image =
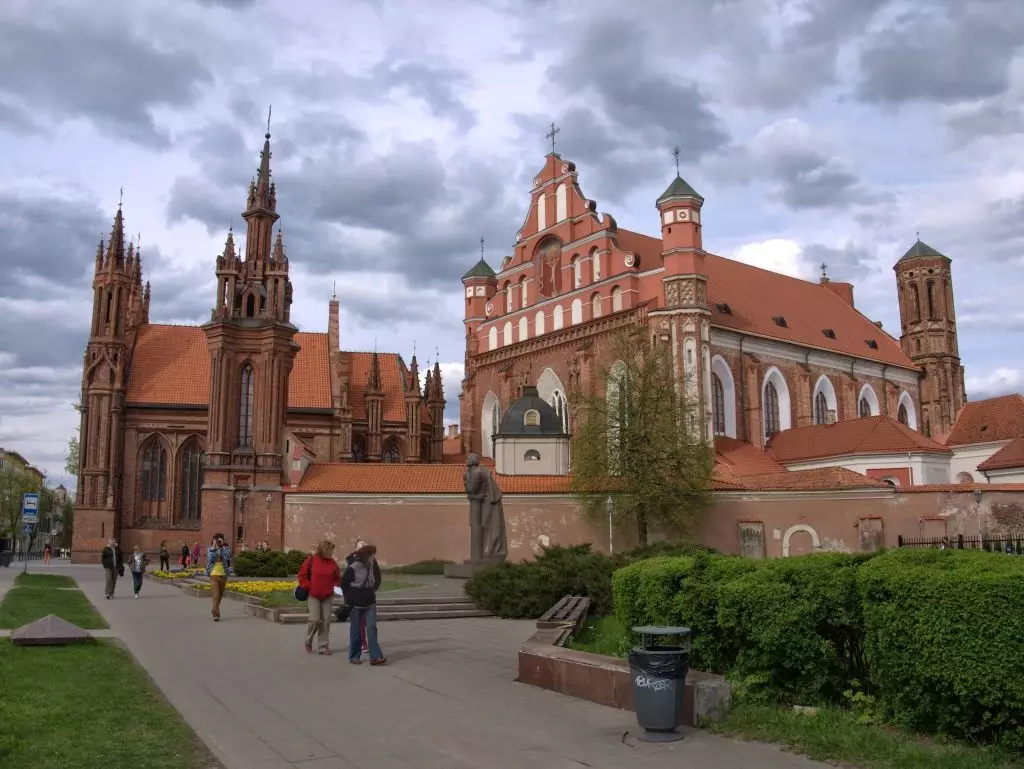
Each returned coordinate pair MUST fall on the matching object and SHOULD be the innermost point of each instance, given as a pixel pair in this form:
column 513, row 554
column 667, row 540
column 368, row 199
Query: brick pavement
column 448, row 698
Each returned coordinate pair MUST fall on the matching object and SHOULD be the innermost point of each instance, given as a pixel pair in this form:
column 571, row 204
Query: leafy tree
column 13, row 484
column 67, row 517
column 71, row 461
column 636, row 439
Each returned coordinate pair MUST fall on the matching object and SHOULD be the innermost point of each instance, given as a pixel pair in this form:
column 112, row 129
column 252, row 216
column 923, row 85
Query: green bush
column 943, row 641
column 253, row 563
column 529, row 588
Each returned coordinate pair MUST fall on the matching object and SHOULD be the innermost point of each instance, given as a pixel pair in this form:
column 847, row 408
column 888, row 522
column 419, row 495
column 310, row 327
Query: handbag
column 343, row 612
column 301, row 594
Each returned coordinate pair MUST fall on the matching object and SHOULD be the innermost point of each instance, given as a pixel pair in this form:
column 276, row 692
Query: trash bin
column 659, row 671
column 5, row 558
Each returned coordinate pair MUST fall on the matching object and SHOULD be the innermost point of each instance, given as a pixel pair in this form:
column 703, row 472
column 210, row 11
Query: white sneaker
column 136, row 595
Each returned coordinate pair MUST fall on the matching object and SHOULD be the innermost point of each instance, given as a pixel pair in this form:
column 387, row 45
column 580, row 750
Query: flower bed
column 171, row 576
column 254, row 587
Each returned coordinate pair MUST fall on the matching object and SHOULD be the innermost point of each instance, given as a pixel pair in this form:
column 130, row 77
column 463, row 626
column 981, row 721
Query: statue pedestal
column 467, row 569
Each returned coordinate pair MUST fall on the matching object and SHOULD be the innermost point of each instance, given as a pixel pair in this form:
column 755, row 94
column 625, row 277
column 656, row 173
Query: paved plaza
column 448, row 698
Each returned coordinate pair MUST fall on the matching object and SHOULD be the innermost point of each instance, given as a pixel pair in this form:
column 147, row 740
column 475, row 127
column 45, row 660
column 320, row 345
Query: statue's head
column 472, row 460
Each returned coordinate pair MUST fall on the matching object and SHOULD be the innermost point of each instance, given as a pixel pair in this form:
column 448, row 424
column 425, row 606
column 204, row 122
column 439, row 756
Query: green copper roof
column 679, row 189
column 921, row 249
column 480, row 270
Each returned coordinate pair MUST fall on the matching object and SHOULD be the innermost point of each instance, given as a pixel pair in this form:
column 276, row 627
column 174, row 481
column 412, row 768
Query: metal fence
column 1011, row 545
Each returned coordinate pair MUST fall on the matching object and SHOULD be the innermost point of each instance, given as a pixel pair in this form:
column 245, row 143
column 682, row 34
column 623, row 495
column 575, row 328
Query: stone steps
column 409, row 608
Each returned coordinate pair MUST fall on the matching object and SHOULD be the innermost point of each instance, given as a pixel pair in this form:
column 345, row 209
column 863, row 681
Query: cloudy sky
column 404, row 131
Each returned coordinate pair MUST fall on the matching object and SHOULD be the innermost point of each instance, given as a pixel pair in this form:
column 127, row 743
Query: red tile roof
column 993, row 419
column 735, row 457
column 755, row 296
column 961, row 488
column 866, row 435
column 1008, row 457
column 446, row 478
column 171, row 367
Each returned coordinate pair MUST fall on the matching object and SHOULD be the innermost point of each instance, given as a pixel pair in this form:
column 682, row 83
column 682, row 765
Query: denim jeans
column 355, row 641
column 136, row 581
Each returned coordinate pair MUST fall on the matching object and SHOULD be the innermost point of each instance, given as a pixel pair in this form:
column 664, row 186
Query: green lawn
column 839, row 735
column 22, row 605
column 286, row 598
column 44, row 580
column 88, row 707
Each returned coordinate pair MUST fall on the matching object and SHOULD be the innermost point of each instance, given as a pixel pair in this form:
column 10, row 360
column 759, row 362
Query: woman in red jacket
column 319, row 575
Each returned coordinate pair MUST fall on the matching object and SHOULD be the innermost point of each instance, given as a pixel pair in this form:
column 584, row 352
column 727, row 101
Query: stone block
column 51, row 630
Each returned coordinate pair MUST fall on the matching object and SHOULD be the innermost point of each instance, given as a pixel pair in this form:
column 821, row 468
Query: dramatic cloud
column 819, row 131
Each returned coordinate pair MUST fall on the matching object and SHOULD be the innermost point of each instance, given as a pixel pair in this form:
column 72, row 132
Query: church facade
column 189, row 430
column 757, row 352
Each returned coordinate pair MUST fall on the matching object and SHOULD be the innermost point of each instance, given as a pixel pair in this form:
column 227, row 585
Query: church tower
column 120, row 306
column 252, row 349
column 928, row 335
column 435, row 404
column 480, row 285
column 684, row 323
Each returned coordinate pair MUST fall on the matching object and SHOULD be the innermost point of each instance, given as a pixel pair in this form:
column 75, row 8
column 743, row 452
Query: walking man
column 218, row 566
column 113, row 567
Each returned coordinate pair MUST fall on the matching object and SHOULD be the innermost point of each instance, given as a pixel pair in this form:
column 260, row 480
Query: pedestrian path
column 447, row 699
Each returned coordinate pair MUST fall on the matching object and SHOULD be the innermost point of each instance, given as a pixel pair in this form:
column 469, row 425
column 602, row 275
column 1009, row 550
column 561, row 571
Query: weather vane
column 675, row 154
column 481, row 247
column 551, row 135
column 824, row 271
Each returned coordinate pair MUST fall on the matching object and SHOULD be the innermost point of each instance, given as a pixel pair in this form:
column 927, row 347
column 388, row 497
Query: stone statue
column 486, row 515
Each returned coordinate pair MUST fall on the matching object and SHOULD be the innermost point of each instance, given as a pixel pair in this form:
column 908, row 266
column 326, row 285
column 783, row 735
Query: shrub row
column 253, row 563
column 934, row 638
column 527, row 589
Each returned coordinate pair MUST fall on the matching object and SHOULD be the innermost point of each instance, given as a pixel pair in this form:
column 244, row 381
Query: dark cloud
column 848, row 263
column 48, row 238
column 345, row 208
column 999, row 117
column 87, row 66
column 437, row 86
column 942, row 51
column 804, row 176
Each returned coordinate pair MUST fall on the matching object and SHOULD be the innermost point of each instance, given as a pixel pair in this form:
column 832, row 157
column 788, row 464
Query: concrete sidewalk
column 447, row 699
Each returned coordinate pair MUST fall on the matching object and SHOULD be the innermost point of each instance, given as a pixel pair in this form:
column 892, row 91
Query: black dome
column 547, row 421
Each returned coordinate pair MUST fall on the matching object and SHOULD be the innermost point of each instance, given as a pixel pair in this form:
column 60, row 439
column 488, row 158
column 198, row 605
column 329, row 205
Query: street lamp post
column 611, row 507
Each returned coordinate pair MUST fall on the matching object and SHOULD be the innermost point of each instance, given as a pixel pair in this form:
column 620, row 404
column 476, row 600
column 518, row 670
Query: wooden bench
column 565, row 617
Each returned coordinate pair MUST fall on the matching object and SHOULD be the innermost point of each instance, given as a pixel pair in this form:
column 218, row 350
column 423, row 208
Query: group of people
column 319, row 577
column 218, row 564
column 189, row 556
column 358, row 582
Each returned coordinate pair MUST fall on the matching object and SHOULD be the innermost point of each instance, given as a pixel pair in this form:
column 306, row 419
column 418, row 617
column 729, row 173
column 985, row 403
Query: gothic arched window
column 902, row 415
column 190, row 474
column 561, row 407
column 930, row 287
column 820, row 409
column 391, row 455
column 153, row 479
column 916, row 306
column 771, row 410
column 245, row 413
column 718, row 404
column 864, row 408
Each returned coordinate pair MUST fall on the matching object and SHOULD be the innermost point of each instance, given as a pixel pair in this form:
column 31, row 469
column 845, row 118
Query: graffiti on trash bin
column 655, row 684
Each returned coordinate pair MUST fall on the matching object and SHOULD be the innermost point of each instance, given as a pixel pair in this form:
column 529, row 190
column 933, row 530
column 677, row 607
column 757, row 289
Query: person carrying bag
column 318, row 577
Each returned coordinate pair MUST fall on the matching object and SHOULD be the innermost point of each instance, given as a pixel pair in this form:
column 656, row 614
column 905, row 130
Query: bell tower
column 252, row 349
column 684, row 322
column 120, row 306
column 928, row 335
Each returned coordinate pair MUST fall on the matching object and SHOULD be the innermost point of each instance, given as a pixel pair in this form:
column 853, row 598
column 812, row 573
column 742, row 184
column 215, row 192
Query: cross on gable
column 555, row 130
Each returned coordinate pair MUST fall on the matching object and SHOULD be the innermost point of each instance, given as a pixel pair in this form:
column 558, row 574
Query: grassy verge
column 602, row 635
column 88, row 707
column 433, row 566
column 286, row 598
column 837, row 735
column 22, row 605
column 44, row 580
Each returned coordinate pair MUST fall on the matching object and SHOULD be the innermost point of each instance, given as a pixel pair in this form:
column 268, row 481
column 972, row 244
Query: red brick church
column 188, row 430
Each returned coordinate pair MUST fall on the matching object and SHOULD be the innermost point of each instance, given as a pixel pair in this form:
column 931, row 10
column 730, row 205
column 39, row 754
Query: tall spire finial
column 120, row 197
column 334, row 291
column 270, row 109
column 551, row 135
column 481, row 246
column 919, row 236
column 824, row 273
column 675, row 154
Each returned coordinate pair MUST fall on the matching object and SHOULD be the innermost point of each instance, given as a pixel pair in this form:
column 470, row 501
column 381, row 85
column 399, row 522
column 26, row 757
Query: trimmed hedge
column 944, row 640
column 527, row 589
column 253, row 563
column 934, row 638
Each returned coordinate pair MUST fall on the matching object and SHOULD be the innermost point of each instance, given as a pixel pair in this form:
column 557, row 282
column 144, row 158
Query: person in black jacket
column 113, row 566
column 360, row 582
column 362, row 624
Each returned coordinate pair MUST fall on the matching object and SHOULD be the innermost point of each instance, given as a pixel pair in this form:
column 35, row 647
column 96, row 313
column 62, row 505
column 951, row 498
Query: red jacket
column 319, row 576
